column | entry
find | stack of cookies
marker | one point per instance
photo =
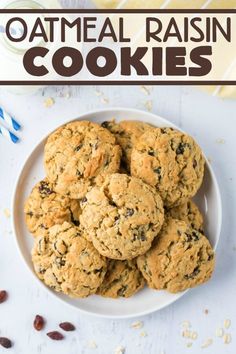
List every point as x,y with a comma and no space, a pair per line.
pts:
115,212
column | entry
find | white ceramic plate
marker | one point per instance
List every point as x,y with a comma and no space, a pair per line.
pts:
146,301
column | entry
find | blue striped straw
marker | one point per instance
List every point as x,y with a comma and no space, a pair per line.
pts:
9,135
9,120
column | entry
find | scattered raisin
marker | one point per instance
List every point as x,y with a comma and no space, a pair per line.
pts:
98,271
210,257
73,220
151,153
157,170
121,133
41,270
67,326
78,147
122,290
193,274
39,322
84,200
44,188
180,149
105,125
142,236
195,236
129,212
5,342
60,262
42,226
194,163
189,237
3,296
165,130
55,335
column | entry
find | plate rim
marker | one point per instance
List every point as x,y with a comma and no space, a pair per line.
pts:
14,202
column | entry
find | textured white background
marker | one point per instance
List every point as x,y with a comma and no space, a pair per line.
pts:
212,122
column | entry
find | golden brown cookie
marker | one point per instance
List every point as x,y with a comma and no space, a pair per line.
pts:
45,208
122,217
127,134
180,258
189,213
171,161
123,279
79,155
65,261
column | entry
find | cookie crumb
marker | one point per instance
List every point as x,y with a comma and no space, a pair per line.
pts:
143,334
207,343
227,338
227,323
92,344
149,105
186,324
186,334
49,102
7,213
145,90
67,95
137,325
120,350
220,141
194,335
98,93
104,100
219,332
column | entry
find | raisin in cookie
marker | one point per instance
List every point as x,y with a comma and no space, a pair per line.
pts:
189,213
123,279
80,155
122,217
65,261
180,258
171,161
45,208
127,134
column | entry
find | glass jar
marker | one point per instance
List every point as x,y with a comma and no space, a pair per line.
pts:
11,53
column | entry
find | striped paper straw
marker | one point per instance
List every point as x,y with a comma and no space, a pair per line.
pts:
9,120
9,135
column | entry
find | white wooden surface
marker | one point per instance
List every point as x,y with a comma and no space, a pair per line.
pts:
208,119
213,122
